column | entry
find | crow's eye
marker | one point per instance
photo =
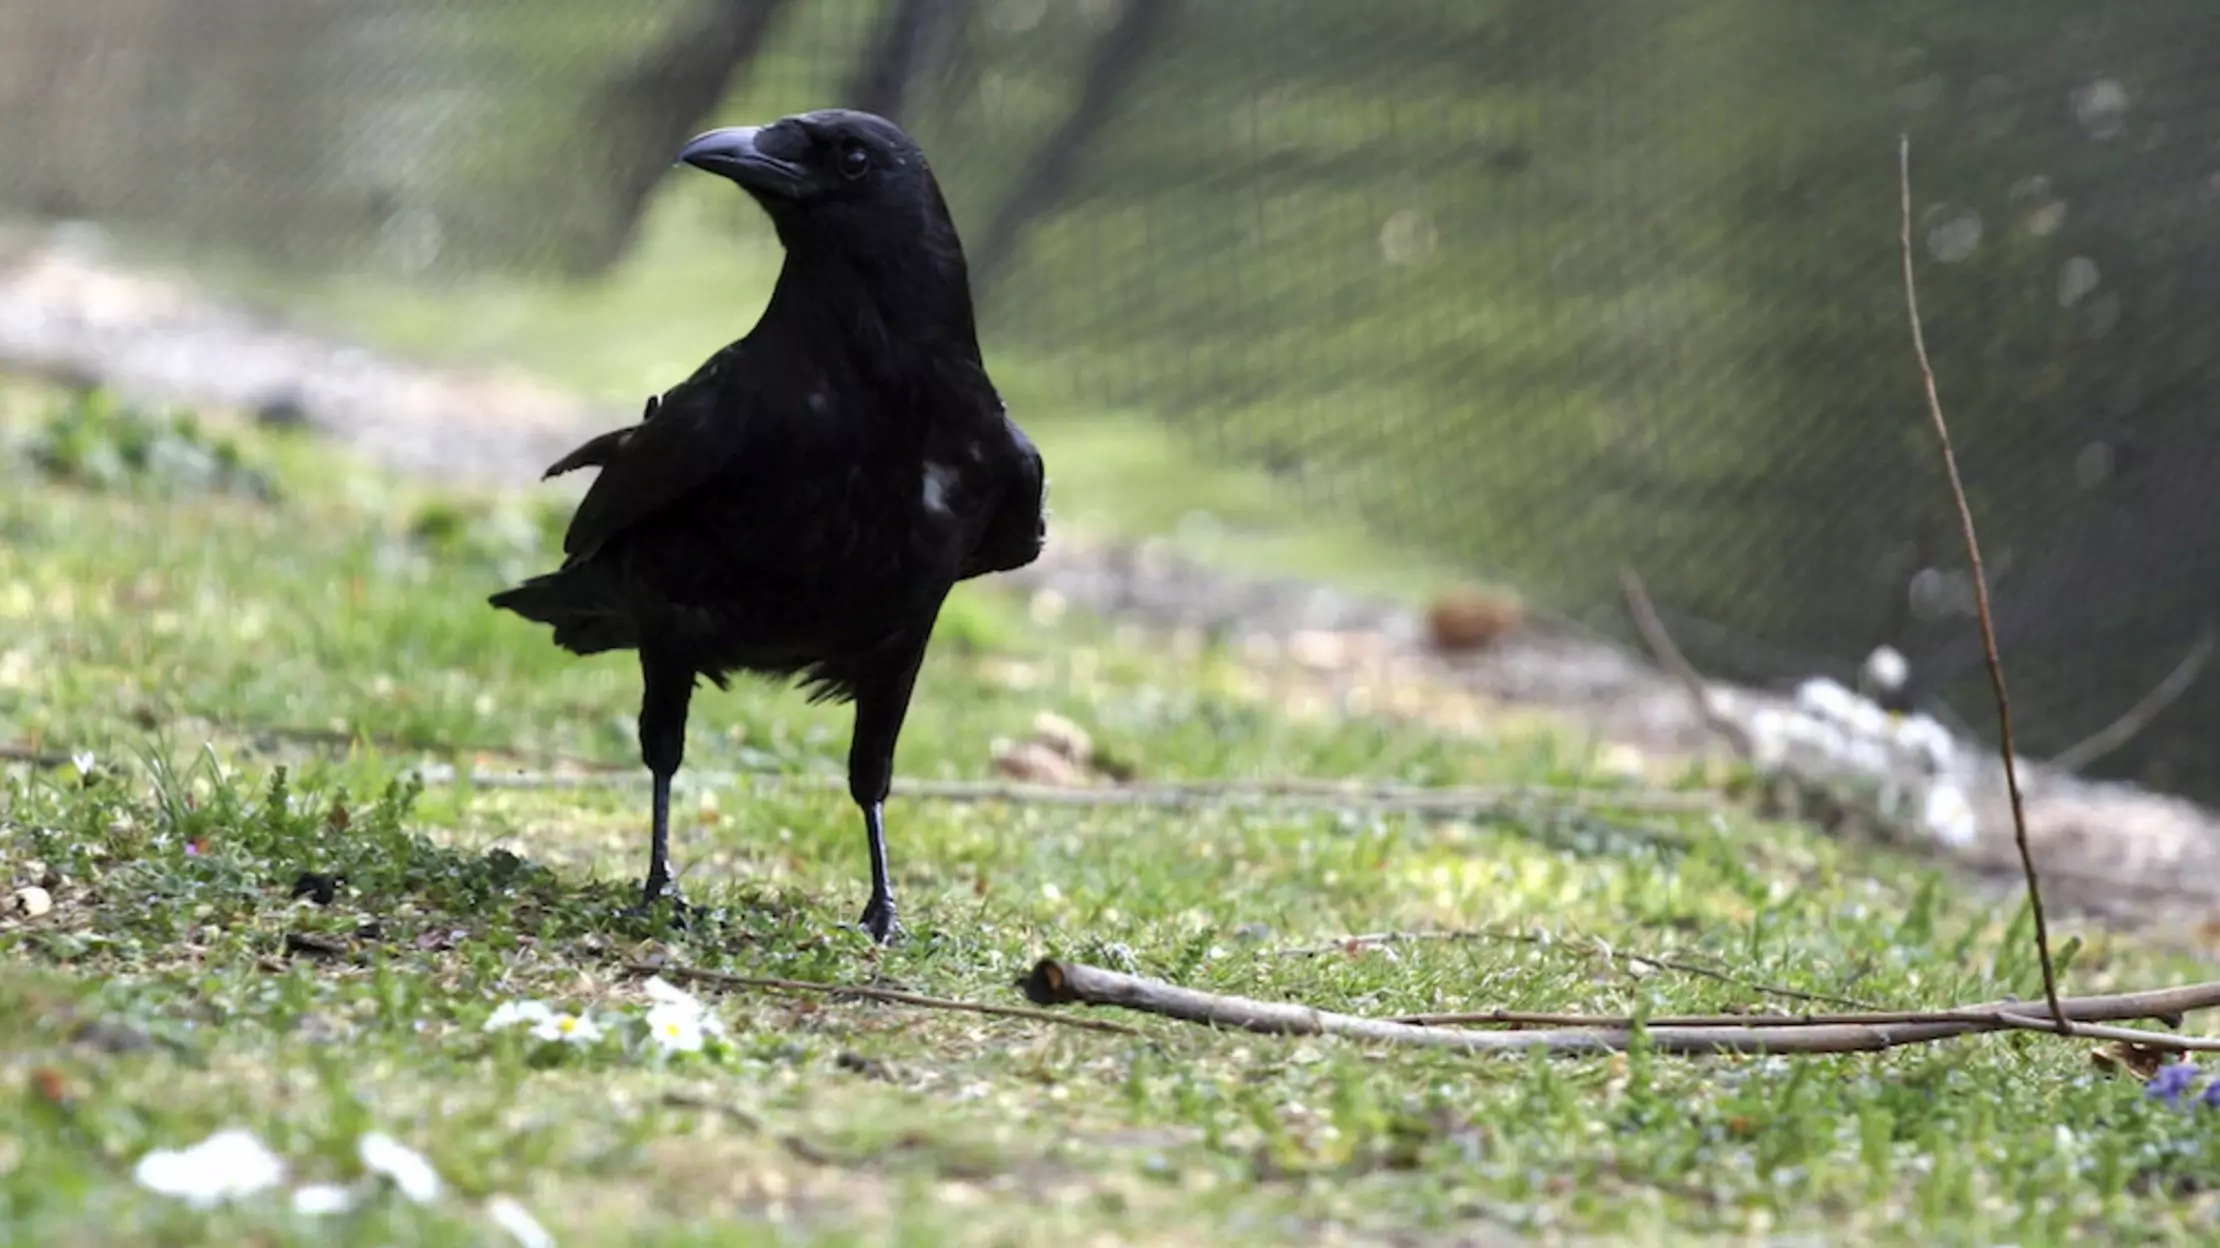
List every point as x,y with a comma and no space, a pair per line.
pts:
854,161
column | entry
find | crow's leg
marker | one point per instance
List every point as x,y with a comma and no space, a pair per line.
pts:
666,690
882,699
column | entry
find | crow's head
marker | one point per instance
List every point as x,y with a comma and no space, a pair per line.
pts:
840,180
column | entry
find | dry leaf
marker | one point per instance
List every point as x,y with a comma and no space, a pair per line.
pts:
2123,1057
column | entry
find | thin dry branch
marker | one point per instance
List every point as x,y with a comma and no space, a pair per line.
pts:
1593,949
2138,717
890,996
1980,595
1067,983
1676,664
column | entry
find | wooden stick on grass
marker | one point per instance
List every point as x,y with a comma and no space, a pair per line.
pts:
1065,983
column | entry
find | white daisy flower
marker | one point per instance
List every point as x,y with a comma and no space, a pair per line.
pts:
675,1030
225,1166
517,1013
567,1029
673,1002
409,1169
521,1226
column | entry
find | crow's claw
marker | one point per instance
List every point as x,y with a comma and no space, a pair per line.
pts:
879,923
682,914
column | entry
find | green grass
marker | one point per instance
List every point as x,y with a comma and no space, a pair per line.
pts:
196,645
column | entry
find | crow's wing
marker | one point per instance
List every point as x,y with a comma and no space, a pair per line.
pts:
686,437
1017,529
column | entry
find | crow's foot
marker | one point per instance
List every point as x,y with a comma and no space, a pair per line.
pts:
879,923
682,914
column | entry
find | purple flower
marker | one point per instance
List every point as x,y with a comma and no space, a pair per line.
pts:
2211,1098
2174,1081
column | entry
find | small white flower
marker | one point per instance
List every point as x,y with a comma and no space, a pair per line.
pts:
673,1003
318,1199
227,1165
568,1029
516,1013
674,1029
409,1170
521,1226
83,760
1948,817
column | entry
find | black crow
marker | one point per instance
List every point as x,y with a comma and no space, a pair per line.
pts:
802,504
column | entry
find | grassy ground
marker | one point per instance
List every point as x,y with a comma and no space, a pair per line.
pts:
207,649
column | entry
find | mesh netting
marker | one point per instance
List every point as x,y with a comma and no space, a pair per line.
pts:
1552,287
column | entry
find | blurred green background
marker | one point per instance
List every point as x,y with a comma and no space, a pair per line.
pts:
1523,290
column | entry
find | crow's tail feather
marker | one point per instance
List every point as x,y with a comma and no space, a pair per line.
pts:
575,601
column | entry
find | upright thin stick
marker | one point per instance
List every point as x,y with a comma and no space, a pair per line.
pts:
1980,599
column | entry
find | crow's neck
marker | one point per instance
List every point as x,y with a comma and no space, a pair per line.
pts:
904,326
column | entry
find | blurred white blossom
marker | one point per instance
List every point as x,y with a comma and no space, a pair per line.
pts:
319,1199
521,1225
568,1029
227,1165
678,1021
517,1013
409,1169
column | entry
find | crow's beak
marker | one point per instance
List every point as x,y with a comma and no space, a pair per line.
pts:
733,153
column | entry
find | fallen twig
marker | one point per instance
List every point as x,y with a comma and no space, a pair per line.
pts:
890,996
1065,983
2138,717
1598,949
1980,596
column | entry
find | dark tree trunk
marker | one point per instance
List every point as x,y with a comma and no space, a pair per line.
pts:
1049,173
647,112
911,35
